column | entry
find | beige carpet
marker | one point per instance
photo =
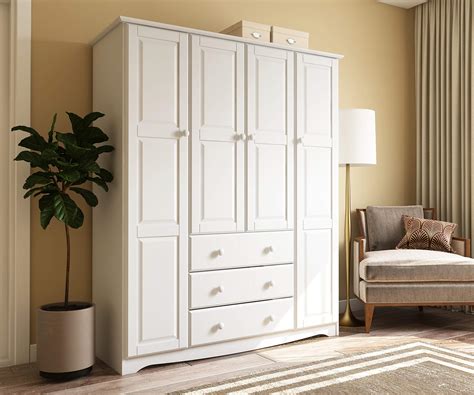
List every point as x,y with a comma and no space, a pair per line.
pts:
414,368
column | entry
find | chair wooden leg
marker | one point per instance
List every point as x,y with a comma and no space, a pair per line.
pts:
369,314
420,308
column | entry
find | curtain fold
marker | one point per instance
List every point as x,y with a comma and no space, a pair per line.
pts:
444,51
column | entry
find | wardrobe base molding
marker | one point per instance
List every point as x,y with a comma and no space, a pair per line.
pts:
133,365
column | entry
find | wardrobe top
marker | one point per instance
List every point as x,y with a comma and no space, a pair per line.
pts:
143,22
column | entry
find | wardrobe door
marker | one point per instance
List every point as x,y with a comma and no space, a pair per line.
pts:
270,127
158,187
316,222
218,138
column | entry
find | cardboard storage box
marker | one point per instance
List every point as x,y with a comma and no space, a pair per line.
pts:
252,30
290,37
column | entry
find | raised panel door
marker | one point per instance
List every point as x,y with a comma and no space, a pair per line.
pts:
158,185
316,213
270,135
217,135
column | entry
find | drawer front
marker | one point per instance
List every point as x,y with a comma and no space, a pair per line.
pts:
212,252
223,287
239,321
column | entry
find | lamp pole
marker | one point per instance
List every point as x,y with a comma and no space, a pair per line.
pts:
347,318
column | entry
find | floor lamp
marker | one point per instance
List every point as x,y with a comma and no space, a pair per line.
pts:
356,148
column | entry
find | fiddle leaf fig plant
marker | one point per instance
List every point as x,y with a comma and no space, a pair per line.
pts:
62,164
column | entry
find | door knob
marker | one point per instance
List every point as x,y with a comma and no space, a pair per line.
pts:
243,137
300,140
185,133
251,136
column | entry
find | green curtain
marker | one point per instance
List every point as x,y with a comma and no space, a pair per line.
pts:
445,110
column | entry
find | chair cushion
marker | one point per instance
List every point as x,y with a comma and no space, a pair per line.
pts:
427,234
415,266
385,226
456,293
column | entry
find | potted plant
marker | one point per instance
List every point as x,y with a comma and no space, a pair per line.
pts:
62,164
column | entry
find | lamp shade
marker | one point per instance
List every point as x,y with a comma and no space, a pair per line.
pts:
357,137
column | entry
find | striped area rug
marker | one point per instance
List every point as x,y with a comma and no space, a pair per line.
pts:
414,368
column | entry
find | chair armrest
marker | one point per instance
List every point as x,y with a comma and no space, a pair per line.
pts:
359,247
461,246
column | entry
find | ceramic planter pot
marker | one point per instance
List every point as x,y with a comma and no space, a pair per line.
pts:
65,340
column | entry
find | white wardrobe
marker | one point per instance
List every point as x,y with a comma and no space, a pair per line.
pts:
219,232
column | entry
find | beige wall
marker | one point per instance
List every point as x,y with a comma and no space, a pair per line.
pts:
377,72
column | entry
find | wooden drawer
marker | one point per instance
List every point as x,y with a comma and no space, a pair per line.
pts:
292,38
212,252
223,287
242,320
252,30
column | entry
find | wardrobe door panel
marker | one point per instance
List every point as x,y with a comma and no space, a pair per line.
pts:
217,135
158,280
158,188
316,213
270,138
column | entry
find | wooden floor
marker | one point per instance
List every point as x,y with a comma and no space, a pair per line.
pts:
391,326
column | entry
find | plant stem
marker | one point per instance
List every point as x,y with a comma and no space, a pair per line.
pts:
68,266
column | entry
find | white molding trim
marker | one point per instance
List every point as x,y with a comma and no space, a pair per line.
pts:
19,219
356,305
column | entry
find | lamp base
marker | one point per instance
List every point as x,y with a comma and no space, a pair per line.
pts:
348,319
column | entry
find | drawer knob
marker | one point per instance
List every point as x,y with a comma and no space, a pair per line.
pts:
271,318
220,289
291,41
269,249
270,284
220,326
185,133
220,252
300,140
256,35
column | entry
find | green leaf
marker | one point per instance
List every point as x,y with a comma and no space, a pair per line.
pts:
67,211
66,138
69,175
77,122
106,175
105,148
88,196
51,131
92,135
66,165
31,192
34,142
93,116
49,154
99,182
39,177
26,129
46,206
33,158
90,167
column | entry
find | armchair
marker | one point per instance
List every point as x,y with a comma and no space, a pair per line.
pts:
384,276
